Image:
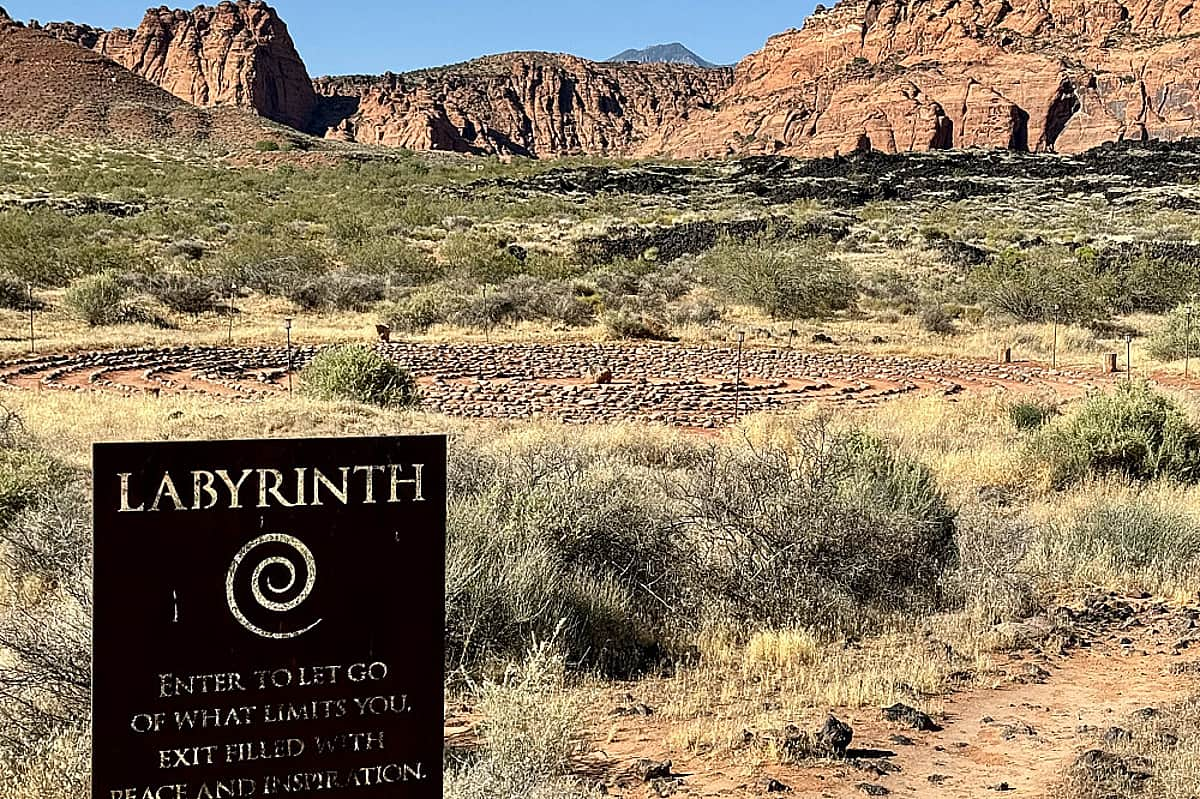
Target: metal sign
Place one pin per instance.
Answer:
(269, 618)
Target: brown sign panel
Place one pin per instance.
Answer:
(269, 619)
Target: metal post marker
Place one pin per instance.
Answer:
(1128, 358)
(232, 291)
(737, 386)
(32, 348)
(287, 326)
(1187, 337)
(1054, 347)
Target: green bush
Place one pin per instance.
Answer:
(557, 541)
(98, 299)
(814, 534)
(183, 293)
(624, 324)
(14, 294)
(1123, 545)
(478, 259)
(423, 308)
(788, 281)
(266, 146)
(391, 257)
(358, 374)
(1035, 285)
(1172, 342)
(1132, 431)
(1030, 414)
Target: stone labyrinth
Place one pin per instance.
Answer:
(685, 386)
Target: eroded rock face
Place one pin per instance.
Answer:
(234, 54)
(533, 104)
(930, 74)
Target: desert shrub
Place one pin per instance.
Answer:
(423, 308)
(479, 259)
(814, 534)
(48, 248)
(358, 374)
(788, 281)
(989, 581)
(392, 258)
(183, 293)
(186, 249)
(532, 729)
(98, 299)
(1153, 276)
(271, 266)
(936, 319)
(14, 294)
(891, 288)
(555, 540)
(1030, 414)
(45, 544)
(1123, 544)
(266, 146)
(626, 324)
(1132, 431)
(1037, 284)
(1172, 340)
(524, 299)
(339, 291)
(694, 311)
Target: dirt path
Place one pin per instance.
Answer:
(1016, 737)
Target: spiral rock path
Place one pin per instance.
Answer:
(685, 386)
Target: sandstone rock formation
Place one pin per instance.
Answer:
(51, 86)
(886, 75)
(928, 74)
(534, 104)
(234, 54)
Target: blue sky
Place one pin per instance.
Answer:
(371, 36)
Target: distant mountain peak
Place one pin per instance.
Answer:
(674, 53)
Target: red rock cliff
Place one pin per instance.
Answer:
(521, 103)
(1024, 74)
(233, 54)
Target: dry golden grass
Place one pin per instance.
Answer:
(757, 682)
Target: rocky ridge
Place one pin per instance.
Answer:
(233, 54)
(530, 104)
(936, 74)
(50, 86)
(879, 75)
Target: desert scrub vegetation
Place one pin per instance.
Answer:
(45, 612)
(1177, 336)
(358, 374)
(786, 279)
(532, 728)
(1132, 431)
(98, 299)
(1153, 752)
(609, 553)
(1136, 543)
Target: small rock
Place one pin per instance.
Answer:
(650, 770)
(912, 717)
(775, 786)
(835, 736)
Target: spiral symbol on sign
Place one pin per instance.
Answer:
(280, 579)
